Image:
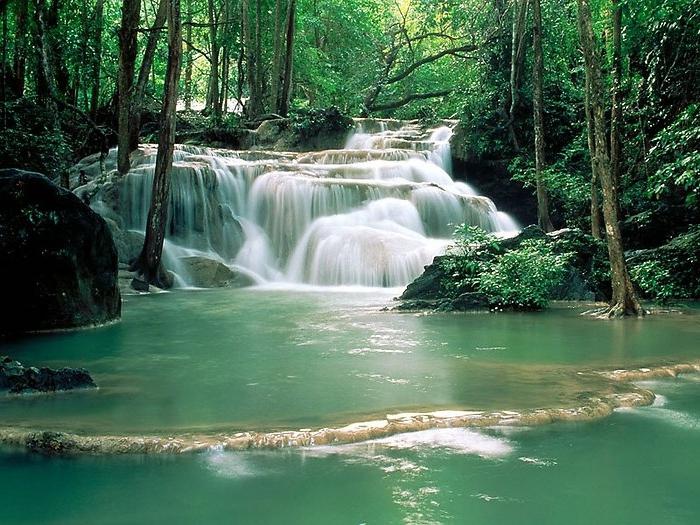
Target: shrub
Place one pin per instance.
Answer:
(524, 278)
(308, 123)
(520, 278)
(473, 250)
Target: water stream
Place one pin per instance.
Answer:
(372, 214)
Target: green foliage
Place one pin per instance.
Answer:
(519, 278)
(524, 278)
(656, 281)
(676, 152)
(31, 141)
(307, 123)
(472, 252)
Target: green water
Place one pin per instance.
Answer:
(640, 466)
(264, 359)
(275, 359)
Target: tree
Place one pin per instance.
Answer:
(616, 107)
(97, 57)
(144, 71)
(624, 298)
(286, 90)
(537, 103)
(128, 32)
(520, 8)
(149, 265)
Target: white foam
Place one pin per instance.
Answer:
(458, 440)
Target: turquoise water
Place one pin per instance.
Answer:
(638, 466)
(281, 359)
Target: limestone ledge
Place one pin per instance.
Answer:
(58, 443)
(594, 406)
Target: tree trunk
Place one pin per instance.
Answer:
(616, 107)
(188, 59)
(225, 52)
(254, 107)
(54, 51)
(538, 101)
(286, 91)
(20, 56)
(520, 8)
(624, 299)
(149, 264)
(97, 57)
(277, 57)
(44, 75)
(212, 105)
(260, 73)
(595, 204)
(131, 11)
(144, 71)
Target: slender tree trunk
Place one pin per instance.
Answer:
(3, 93)
(595, 204)
(212, 104)
(624, 299)
(44, 76)
(20, 54)
(131, 14)
(54, 51)
(277, 57)
(543, 218)
(260, 73)
(254, 106)
(616, 107)
(286, 92)
(225, 55)
(149, 264)
(149, 54)
(188, 59)
(97, 57)
(520, 9)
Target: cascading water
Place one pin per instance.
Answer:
(372, 214)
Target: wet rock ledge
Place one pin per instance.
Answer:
(16, 378)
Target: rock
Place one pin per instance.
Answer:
(427, 285)
(17, 378)
(209, 273)
(469, 301)
(50, 443)
(57, 255)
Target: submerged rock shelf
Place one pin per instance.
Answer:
(621, 394)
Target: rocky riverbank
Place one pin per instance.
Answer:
(17, 378)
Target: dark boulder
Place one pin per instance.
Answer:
(57, 257)
(427, 285)
(17, 378)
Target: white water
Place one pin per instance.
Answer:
(373, 214)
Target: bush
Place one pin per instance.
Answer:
(524, 278)
(308, 123)
(520, 278)
(473, 251)
(655, 281)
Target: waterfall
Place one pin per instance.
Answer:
(372, 214)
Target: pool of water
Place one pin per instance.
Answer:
(278, 359)
(638, 466)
